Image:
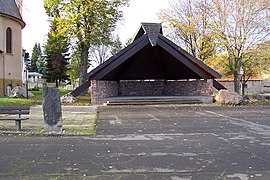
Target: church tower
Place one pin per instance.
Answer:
(19, 5)
(11, 25)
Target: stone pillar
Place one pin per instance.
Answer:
(52, 110)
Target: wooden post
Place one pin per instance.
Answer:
(18, 125)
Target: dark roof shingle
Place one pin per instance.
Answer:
(9, 8)
(152, 30)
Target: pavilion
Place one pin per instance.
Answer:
(151, 66)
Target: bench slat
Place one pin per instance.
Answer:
(14, 112)
(13, 119)
(15, 108)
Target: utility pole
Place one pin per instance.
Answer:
(26, 62)
(4, 88)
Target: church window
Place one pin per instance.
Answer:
(9, 40)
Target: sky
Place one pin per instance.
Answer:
(37, 24)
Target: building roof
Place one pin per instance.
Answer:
(151, 29)
(34, 74)
(9, 8)
(151, 56)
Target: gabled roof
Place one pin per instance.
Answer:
(152, 30)
(152, 56)
(9, 8)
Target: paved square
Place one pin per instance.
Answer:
(151, 142)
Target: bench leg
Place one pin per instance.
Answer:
(18, 125)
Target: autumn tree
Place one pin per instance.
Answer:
(262, 55)
(226, 27)
(89, 22)
(255, 62)
(56, 52)
(239, 25)
(188, 24)
(74, 67)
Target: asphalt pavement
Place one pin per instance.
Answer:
(174, 142)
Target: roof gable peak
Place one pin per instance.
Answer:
(152, 30)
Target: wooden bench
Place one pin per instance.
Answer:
(10, 113)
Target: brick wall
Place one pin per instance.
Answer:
(105, 89)
(190, 88)
(169, 88)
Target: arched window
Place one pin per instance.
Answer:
(9, 40)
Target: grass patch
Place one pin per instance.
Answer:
(251, 93)
(7, 101)
(79, 130)
(82, 101)
(37, 100)
(26, 129)
(39, 130)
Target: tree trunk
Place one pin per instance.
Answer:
(83, 65)
(243, 88)
(56, 83)
(236, 82)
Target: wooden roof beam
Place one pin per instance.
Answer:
(183, 60)
(125, 56)
(190, 57)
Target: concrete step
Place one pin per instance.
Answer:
(152, 101)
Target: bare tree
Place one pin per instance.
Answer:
(98, 54)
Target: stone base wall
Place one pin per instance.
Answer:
(169, 88)
(11, 82)
(103, 89)
(106, 89)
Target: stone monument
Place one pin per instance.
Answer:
(52, 110)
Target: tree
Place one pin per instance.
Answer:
(255, 62)
(259, 54)
(189, 24)
(239, 25)
(128, 41)
(99, 54)
(56, 54)
(89, 22)
(41, 65)
(74, 67)
(35, 58)
(116, 45)
(226, 28)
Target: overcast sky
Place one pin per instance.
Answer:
(137, 12)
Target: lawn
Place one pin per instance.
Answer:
(7, 101)
(37, 99)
